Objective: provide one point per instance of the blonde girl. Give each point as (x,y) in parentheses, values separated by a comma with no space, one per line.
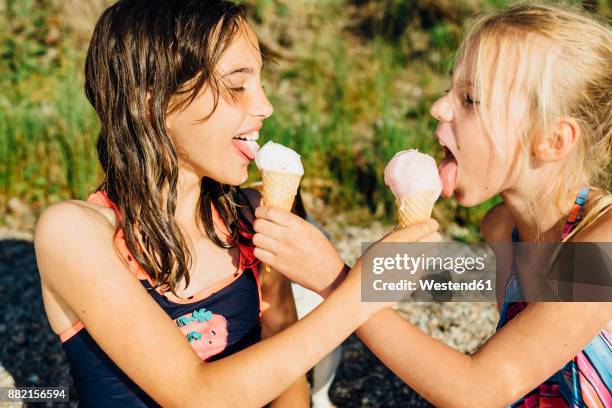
(529,117)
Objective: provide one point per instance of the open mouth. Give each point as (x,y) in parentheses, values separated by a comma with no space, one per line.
(448,172)
(249,136)
(246,144)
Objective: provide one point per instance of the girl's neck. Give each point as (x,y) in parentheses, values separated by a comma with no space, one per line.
(187,196)
(543,223)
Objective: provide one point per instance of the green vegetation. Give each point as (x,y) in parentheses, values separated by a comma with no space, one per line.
(352,84)
(47,128)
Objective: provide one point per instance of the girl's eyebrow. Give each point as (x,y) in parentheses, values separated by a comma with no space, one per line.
(243,70)
(467,83)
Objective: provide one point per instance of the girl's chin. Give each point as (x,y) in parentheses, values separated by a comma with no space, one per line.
(470,199)
(239,178)
(235,182)
(232,177)
(465,199)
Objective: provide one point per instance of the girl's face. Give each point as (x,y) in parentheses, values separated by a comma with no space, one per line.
(217,147)
(471,168)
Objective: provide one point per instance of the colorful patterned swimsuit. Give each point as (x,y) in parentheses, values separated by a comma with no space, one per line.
(217,321)
(586,380)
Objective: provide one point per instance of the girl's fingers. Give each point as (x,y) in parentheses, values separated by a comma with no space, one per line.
(434,237)
(275,215)
(264,256)
(268,228)
(265,242)
(413,232)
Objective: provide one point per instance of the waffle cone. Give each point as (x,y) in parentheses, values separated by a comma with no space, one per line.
(415,207)
(280,188)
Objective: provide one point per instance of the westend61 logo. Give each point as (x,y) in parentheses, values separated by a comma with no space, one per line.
(454,271)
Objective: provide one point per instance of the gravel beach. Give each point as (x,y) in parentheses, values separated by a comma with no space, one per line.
(32,354)
(29,350)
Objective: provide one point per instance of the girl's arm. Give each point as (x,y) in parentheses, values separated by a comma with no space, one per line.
(524,353)
(519,357)
(78,262)
(278,313)
(301,252)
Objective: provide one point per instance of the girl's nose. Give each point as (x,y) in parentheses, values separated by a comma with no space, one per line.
(442,110)
(262,106)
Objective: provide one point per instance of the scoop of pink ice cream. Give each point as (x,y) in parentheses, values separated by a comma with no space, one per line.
(410,171)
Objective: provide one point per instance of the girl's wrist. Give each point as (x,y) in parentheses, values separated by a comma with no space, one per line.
(342,274)
(355,312)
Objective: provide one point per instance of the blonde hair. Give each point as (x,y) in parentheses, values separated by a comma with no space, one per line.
(558,59)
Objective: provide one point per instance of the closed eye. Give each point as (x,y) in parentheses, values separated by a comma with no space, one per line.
(469,100)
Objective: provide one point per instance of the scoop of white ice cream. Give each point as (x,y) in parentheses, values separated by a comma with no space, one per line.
(410,171)
(276,157)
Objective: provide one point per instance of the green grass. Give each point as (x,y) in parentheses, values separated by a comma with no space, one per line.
(48,133)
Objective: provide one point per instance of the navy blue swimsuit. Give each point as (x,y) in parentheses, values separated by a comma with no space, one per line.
(217,321)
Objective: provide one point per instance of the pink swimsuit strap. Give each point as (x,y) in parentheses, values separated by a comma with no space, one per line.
(247,258)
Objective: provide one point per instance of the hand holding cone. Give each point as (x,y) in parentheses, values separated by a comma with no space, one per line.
(281,171)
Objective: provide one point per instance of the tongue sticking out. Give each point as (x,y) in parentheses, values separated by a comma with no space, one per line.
(448,175)
(253,147)
(248,147)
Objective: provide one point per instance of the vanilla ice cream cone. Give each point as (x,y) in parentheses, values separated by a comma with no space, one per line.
(280,188)
(281,171)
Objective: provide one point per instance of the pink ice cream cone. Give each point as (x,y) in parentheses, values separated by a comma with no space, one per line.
(415,182)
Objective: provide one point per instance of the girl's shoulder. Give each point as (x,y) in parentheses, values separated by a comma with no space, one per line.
(72,219)
(497,224)
(598,230)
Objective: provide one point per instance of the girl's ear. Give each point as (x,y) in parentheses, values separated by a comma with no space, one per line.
(559,144)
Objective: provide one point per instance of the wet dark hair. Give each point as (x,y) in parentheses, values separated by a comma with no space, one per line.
(146,59)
